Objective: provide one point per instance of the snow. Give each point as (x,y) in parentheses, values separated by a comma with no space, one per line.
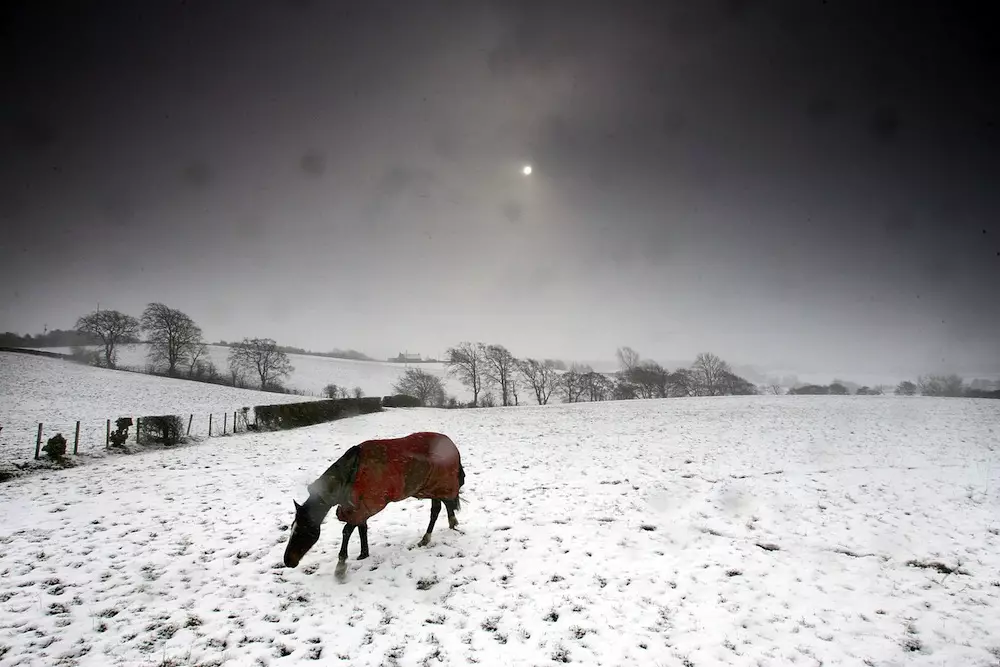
(726,531)
(58,393)
(311,373)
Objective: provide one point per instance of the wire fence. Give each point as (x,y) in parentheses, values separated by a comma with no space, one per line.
(20,442)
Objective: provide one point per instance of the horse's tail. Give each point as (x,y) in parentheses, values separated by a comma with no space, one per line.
(461,483)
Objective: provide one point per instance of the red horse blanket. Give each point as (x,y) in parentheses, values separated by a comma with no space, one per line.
(421,465)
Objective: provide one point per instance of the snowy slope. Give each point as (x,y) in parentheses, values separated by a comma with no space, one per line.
(731,531)
(312,373)
(57,393)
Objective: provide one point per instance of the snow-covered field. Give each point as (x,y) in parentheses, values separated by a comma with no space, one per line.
(58,393)
(312,373)
(744,531)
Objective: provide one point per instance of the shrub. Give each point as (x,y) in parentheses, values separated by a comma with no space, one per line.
(401,401)
(293,415)
(55,447)
(424,386)
(810,390)
(120,434)
(165,429)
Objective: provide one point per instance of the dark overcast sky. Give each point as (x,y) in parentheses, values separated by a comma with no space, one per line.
(804,185)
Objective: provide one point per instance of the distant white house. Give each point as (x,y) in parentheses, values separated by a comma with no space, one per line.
(406,357)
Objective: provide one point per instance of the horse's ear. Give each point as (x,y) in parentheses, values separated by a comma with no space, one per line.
(297,506)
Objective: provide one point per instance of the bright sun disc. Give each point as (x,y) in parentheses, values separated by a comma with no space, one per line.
(527,170)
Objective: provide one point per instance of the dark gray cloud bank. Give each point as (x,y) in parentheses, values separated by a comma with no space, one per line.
(797,185)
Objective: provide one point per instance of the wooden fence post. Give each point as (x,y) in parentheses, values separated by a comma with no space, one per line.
(76,439)
(190,419)
(137,424)
(107,435)
(38,441)
(234,422)
(210,426)
(225,421)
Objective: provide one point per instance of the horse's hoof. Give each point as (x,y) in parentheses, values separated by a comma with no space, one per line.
(424,541)
(362,556)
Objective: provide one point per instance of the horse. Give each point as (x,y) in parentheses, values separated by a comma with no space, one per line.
(369,476)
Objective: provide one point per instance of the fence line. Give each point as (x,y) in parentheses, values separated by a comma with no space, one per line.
(87,436)
(86,433)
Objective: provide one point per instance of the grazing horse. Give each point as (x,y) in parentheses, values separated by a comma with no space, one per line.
(371,475)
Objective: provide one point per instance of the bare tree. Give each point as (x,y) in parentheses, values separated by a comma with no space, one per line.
(260,357)
(735,385)
(358,392)
(112,328)
(775,389)
(709,372)
(941,385)
(335,391)
(682,383)
(649,379)
(627,358)
(197,352)
(467,362)
(571,383)
(499,368)
(623,390)
(541,377)
(424,386)
(596,386)
(173,336)
(906,388)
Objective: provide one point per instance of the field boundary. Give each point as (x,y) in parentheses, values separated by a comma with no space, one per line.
(122,431)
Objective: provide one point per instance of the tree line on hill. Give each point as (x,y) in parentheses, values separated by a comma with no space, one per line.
(495,376)
(176,348)
(54,338)
(951,386)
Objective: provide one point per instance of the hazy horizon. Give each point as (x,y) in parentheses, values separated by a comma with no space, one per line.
(799,187)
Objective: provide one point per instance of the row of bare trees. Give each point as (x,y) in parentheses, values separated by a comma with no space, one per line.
(485,368)
(708,375)
(176,347)
(175,341)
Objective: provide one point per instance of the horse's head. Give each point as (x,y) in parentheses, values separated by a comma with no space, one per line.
(304,533)
(331,489)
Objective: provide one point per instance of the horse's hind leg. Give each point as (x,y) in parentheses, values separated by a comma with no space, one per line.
(363,534)
(451,506)
(435,510)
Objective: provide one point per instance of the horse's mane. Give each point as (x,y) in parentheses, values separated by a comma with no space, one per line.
(338,478)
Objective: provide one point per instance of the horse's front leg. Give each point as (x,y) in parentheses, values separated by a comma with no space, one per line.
(348,530)
(363,534)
